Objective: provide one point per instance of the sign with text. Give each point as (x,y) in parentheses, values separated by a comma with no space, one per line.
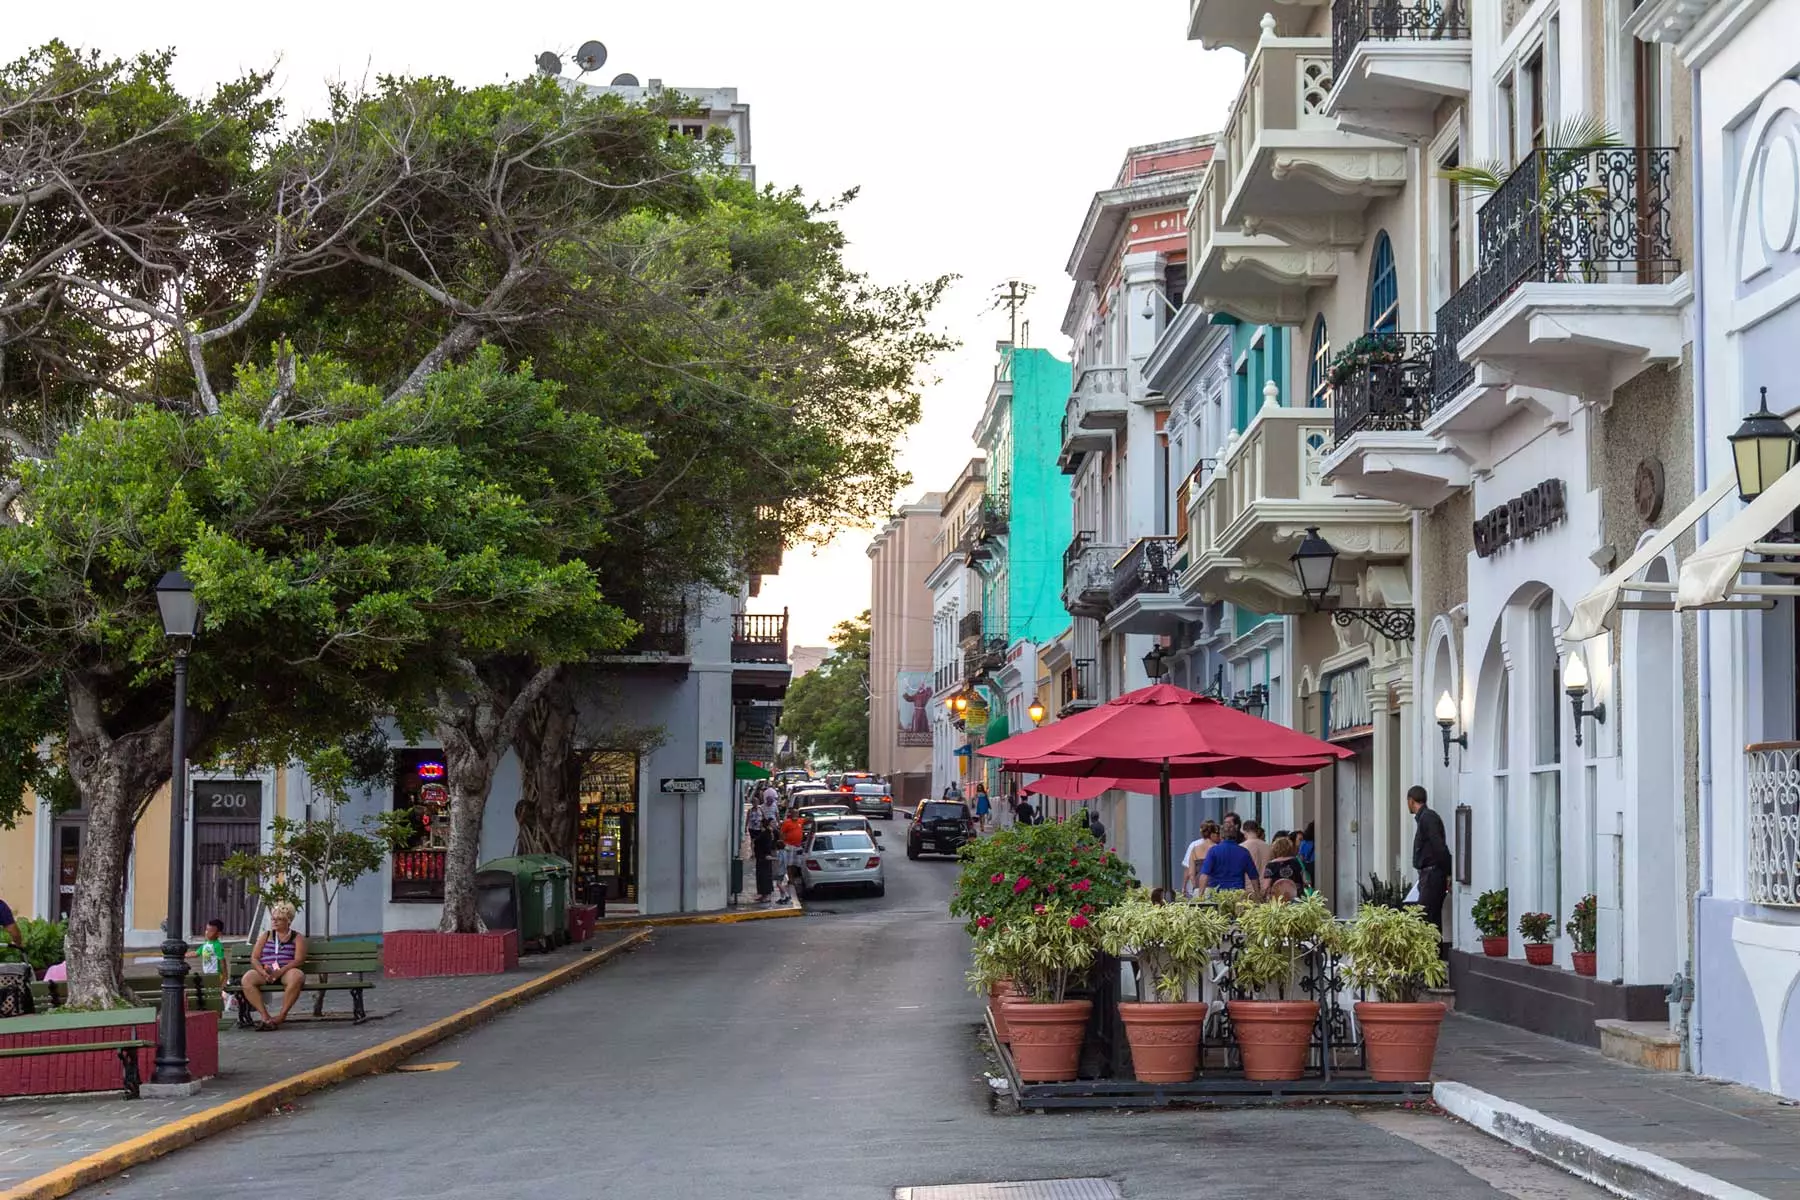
(1521,518)
(228,799)
(683,787)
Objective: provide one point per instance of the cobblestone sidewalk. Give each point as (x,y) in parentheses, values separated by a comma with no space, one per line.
(41,1134)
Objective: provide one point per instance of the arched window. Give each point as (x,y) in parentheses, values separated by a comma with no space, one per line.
(1318,374)
(1384,288)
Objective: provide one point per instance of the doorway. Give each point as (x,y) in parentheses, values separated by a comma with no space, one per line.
(606,849)
(227,821)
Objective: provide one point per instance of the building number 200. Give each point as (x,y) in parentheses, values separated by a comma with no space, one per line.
(228,800)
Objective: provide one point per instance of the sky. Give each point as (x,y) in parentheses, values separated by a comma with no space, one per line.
(976,132)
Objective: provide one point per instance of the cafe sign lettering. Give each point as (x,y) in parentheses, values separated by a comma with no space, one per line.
(1521,517)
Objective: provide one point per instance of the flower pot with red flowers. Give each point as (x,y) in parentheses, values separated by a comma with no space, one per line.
(1046,953)
(1580,928)
(1490,922)
(1275,940)
(1169,945)
(1535,928)
(1394,956)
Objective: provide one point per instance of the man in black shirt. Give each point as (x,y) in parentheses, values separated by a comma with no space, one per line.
(1431,856)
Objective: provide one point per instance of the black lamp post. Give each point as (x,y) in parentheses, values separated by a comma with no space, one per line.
(1314,560)
(1762,450)
(1154,666)
(181,622)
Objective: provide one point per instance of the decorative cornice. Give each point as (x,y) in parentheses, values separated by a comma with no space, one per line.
(1693,27)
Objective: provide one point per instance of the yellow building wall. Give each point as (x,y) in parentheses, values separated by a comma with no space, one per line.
(150,865)
(18,852)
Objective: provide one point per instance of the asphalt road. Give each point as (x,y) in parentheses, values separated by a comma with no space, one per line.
(830,1058)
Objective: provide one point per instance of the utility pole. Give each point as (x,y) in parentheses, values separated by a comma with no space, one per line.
(1012,298)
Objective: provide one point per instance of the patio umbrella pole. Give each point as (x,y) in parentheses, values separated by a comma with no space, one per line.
(1165,811)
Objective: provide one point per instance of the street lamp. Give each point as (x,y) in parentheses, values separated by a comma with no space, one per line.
(1575,682)
(1762,449)
(960,703)
(180,612)
(1036,711)
(1314,560)
(1446,719)
(1154,666)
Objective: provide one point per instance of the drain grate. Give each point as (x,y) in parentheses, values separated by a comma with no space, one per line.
(1032,1189)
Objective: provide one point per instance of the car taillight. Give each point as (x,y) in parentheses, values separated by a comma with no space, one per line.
(812,864)
(874,861)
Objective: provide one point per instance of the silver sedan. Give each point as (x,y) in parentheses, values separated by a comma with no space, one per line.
(848,859)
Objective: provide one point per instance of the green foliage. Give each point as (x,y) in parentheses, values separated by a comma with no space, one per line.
(323,853)
(1580,925)
(826,711)
(1171,943)
(1536,927)
(1490,913)
(1276,937)
(1044,953)
(41,944)
(1011,871)
(1389,893)
(1393,953)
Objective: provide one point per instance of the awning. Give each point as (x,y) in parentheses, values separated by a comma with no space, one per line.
(1594,611)
(997,728)
(1710,579)
(750,770)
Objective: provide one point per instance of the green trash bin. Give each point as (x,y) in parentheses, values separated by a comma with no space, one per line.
(558,875)
(527,892)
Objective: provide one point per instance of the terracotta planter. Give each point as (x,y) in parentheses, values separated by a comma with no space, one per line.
(1584,962)
(1540,954)
(998,993)
(1494,947)
(1401,1039)
(1165,1039)
(1273,1035)
(1046,1038)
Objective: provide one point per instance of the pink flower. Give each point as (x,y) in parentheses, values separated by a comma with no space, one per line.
(1024,882)
(1080,885)
(983,922)
(1049,887)
(1037,908)
(1086,909)
(997,877)
(1078,922)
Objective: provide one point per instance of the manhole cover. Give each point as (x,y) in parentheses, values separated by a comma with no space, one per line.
(1033,1189)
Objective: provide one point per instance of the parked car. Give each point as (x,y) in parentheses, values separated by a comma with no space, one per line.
(812,813)
(852,778)
(872,800)
(939,827)
(849,859)
(848,823)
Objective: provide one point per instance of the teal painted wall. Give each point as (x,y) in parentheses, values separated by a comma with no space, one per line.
(1040,524)
(1254,366)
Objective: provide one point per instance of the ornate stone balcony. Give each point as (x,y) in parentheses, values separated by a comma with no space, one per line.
(1258,279)
(1394,63)
(1088,575)
(1238,23)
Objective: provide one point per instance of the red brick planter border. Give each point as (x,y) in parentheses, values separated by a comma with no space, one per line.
(414,954)
(98,1070)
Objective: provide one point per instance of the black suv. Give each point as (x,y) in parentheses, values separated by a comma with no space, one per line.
(940,827)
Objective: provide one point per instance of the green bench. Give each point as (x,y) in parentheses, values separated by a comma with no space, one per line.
(330,966)
(127,1050)
(203,992)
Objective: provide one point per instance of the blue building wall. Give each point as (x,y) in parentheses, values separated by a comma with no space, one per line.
(1040,524)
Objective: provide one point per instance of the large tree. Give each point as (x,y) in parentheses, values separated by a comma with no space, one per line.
(827,710)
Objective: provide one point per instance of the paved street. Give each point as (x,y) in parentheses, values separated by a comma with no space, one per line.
(831,1058)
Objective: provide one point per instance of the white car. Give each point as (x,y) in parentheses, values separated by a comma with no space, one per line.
(848,823)
(848,859)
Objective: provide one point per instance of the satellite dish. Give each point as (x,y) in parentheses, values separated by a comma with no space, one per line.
(549,64)
(591,56)
(626,80)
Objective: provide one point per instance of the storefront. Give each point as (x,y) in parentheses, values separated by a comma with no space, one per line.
(420,791)
(606,849)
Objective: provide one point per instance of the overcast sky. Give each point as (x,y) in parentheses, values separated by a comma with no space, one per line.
(977,131)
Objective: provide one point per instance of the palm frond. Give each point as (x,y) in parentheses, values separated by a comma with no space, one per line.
(1482,177)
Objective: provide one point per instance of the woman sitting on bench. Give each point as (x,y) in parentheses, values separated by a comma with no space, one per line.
(278,954)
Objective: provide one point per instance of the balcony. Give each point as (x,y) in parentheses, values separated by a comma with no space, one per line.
(759,637)
(1098,398)
(1381,390)
(991,517)
(1144,598)
(662,635)
(983,658)
(1579,290)
(1394,62)
(1088,575)
(969,628)
(1774,858)
(1238,23)
(1076,688)
(1245,522)
(1292,173)
(1256,278)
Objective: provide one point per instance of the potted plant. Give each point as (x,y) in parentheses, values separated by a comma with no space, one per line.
(1170,945)
(1490,922)
(1045,953)
(1273,1032)
(1580,928)
(1394,955)
(1368,349)
(1535,929)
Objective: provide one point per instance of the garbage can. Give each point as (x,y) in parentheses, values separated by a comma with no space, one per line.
(558,875)
(526,892)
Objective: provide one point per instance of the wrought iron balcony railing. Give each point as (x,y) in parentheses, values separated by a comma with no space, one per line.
(1077,688)
(660,631)
(1146,567)
(969,627)
(1088,575)
(1565,215)
(759,637)
(1356,21)
(1383,384)
(991,517)
(1774,826)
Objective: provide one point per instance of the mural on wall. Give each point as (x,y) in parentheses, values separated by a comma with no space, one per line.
(914,689)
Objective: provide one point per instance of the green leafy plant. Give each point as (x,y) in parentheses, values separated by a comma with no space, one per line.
(1393,953)
(1275,938)
(1389,893)
(1490,913)
(1013,870)
(1046,952)
(1536,927)
(1580,925)
(42,942)
(1171,943)
(1369,348)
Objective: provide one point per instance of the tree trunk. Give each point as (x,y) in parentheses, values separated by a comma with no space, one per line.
(549,774)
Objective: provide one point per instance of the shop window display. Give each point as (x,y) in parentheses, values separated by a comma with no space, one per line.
(420,789)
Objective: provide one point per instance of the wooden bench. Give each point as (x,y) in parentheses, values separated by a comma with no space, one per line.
(330,966)
(127,1050)
(203,992)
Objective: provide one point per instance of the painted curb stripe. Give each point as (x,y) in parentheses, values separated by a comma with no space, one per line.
(726,918)
(155,1143)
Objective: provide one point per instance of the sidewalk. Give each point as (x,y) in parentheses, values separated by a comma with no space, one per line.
(1732,1135)
(47,1133)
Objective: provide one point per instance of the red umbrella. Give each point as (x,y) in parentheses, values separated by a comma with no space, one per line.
(1069,787)
(1182,770)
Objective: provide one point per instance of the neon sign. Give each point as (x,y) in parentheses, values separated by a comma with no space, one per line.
(431,770)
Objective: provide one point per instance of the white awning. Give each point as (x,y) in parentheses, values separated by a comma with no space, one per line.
(1710,578)
(1594,611)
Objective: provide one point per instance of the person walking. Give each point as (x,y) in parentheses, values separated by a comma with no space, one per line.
(1196,850)
(1228,867)
(1233,829)
(762,848)
(1431,857)
(1284,874)
(983,806)
(793,833)
(1253,842)
(1307,849)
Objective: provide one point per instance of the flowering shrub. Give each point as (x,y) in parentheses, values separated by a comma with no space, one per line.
(1044,953)
(1535,927)
(1580,926)
(1490,913)
(1013,871)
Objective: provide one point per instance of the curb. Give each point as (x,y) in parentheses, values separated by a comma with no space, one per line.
(103,1164)
(720,918)
(1612,1165)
